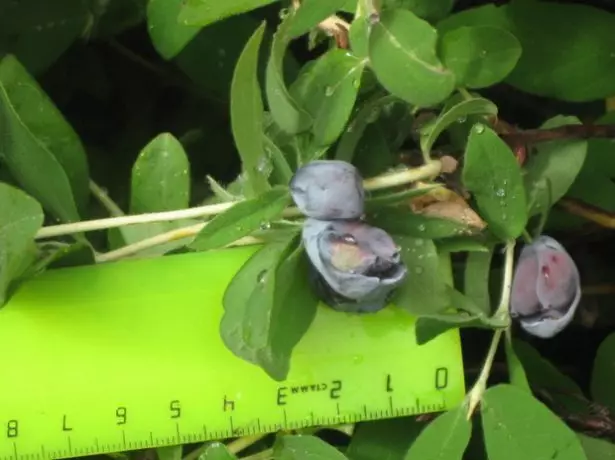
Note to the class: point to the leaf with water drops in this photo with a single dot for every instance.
(285, 110)
(491, 173)
(41, 150)
(247, 114)
(242, 219)
(269, 305)
(400, 221)
(205, 12)
(402, 52)
(458, 113)
(480, 56)
(160, 177)
(328, 91)
(21, 217)
(424, 290)
(554, 167)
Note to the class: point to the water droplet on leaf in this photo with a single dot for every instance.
(329, 90)
(418, 270)
(500, 192)
(479, 129)
(260, 278)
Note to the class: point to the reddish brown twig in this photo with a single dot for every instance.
(534, 136)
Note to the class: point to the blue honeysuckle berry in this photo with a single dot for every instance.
(328, 189)
(546, 288)
(357, 265)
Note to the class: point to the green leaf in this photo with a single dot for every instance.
(512, 418)
(595, 183)
(424, 290)
(480, 56)
(597, 449)
(286, 112)
(242, 219)
(556, 162)
(552, 63)
(205, 12)
(169, 453)
(430, 10)
(543, 376)
(41, 150)
(383, 439)
(402, 52)
(368, 113)
(160, 177)
(20, 219)
(474, 106)
(358, 36)
(216, 451)
(168, 35)
(462, 244)
(493, 175)
(310, 13)
(402, 221)
(476, 279)
(269, 305)
(60, 255)
(247, 113)
(430, 327)
(603, 373)
(446, 438)
(38, 34)
(303, 447)
(328, 91)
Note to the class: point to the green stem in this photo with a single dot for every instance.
(476, 393)
(465, 93)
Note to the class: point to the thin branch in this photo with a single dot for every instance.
(163, 238)
(533, 136)
(388, 180)
(105, 200)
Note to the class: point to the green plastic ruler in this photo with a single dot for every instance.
(127, 355)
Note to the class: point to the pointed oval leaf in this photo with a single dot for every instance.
(247, 113)
(160, 177)
(458, 112)
(242, 219)
(328, 91)
(41, 150)
(304, 447)
(480, 56)
(21, 217)
(286, 112)
(493, 175)
(402, 51)
(379, 439)
(205, 12)
(556, 162)
(445, 438)
(512, 418)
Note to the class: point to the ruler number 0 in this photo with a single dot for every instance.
(441, 378)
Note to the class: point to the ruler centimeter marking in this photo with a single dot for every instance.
(128, 355)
